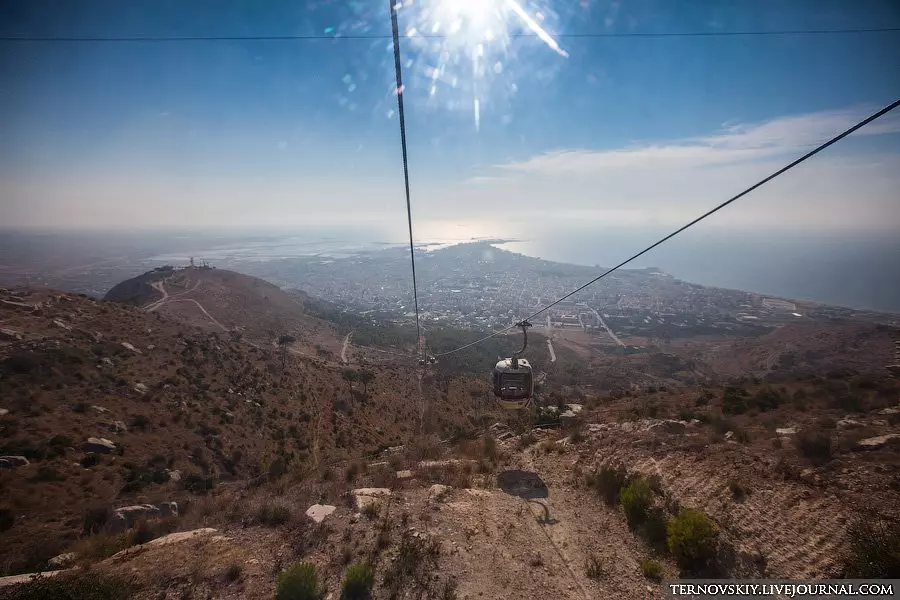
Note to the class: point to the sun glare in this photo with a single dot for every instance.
(465, 49)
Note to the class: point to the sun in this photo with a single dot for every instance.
(476, 11)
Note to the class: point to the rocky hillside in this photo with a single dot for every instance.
(743, 481)
(223, 301)
(105, 406)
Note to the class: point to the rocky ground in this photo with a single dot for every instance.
(518, 515)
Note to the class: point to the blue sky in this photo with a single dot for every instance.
(637, 130)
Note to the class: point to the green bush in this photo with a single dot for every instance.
(609, 482)
(273, 515)
(299, 582)
(655, 527)
(692, 538)
(768, 398)
(95, 518)
(358, 582)
(874, 550)
(652, 570)
(815, 445)
(636, 499)
(77, 586)
(734, 400)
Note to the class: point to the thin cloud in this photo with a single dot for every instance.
(734, 144)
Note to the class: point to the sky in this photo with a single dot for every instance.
(506, 131)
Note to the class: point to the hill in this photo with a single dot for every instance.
(776, 437)
(771, 491)
(224, 301)
(172, 398)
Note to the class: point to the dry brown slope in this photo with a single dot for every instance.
(185, 399)
(221, 300)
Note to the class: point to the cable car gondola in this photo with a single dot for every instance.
(513, 380)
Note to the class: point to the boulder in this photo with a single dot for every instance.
(126, 516)
(891, 410)
(63, 561)
(786, 430)
(4, 412)
(11, 462)
(174, 475)
(406, 474)
(128, 346)
(450, 462)
(439, 492)
(669, 426)
(114, 427)
(9, 334)
(100, 409)
(575, 408)
(848, 423)
(567, 418)
(107, 361)
(318, 512)
(363, 497)
(141, 388)
(168, 509)
(61, 325)
(874, 443)
(98, 445)
(729, 435)
(498, 428)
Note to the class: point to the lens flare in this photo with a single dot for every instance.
(464, 48)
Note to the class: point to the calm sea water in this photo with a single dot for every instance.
(861, 271)
(858, 271)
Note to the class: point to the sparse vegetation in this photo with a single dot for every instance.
(95, 518)
(655, 526)
(234, 572)
(734, 400)
(636, 499)
(652, 570)
(874, 549)
(272, 514)
(299, 582)
(692, 539)
(815, 446)
(88, 585)
(358, 582)
(594, 568)
(413, 566)
(7, 519)
(609, 482)
(370, 510)
(739, 490)
(102, 545)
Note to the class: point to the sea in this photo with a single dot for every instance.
(859, 270)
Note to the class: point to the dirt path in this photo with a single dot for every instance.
(344, 347)
(203, 310)
(160, 286)
(552, 352)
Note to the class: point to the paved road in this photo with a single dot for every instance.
(605, 326)
(550, 348)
